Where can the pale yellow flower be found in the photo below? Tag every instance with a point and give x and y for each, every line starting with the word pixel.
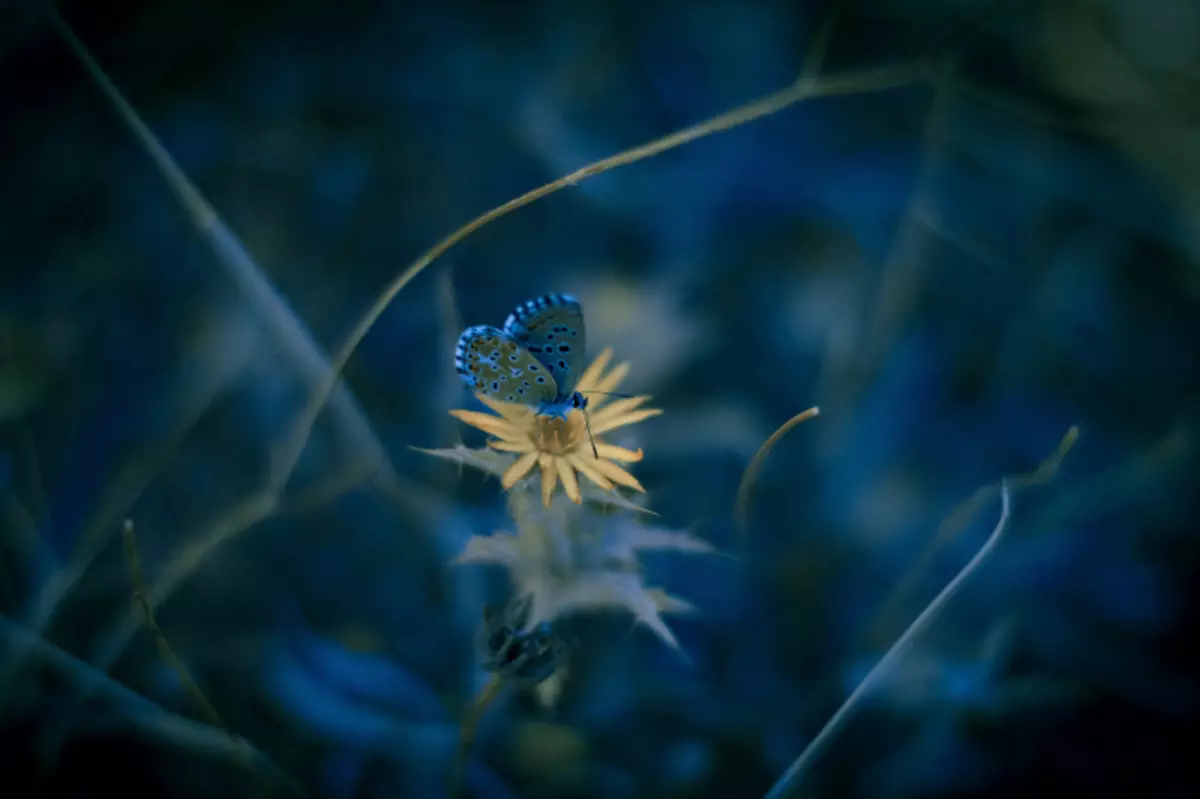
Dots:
pixel 561 446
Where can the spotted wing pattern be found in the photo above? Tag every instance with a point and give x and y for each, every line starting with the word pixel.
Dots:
pixel 551 328
pixel 493 364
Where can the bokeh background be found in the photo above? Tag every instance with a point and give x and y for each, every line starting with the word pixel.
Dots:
pixel 956 271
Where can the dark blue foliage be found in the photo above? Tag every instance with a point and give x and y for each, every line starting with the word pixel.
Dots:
pixel 956 273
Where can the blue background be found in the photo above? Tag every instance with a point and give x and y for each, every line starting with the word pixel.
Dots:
pixel 956 271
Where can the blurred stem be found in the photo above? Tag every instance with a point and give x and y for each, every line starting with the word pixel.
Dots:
pixel 791 778
pixel 158 723
pixel 290 333
pixel 121 493
pixel 805 88
pixel 470 725
pixel 227 524
pixel 814 60
pixel 750 476
pixel 954 524
pixel 160 639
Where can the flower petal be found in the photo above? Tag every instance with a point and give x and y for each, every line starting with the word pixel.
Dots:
pixel 518 470
pixel 615 453
pixel 611 380
pixel 618 475
pixel 488 423
pixel 567 474
pixel 549 476
pixel 591 376
pixel 582 464
pixel 511 446
pixel 618 407
pixel 622 420
pixel 511 411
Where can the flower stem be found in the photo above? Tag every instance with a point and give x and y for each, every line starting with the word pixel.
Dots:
pixel 160 638
pixel 790 780
pixel 751 474
pixel 466 737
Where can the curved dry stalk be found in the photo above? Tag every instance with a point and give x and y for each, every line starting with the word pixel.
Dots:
pixel 466 738
pixel 950 528
pixel 144 715
pixel 240 517
pixel 160 638
pixel 751 474
pixel 806 88
pixel 791 778
pixel 289 332
pixel 228 524
pixel 122 494
pixel 282 321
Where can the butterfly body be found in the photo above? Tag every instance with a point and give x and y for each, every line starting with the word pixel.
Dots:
pixel 536 359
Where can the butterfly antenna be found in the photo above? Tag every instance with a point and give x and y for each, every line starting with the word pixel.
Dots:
pixel 587 421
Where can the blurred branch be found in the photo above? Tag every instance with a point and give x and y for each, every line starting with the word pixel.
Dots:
pixel 19 517
pixel 1045 471
pixel 954 524
pixel 160 639
pixel 124 491
pixel 791 778
pixel 750 476
pixel 1128 480
pixel 452 325
pixel 158 723
pixel 234 520
pixel 37 483
pixel 896 290
pixel 328 490
pixel 966 30
pixel 814 60
pixel 25 539
pixel 228 524
pixel 470 725
pixel 858 82
pixel 281 320
pixel 290 332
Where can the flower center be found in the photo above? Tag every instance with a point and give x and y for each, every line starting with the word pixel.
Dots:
pixel 557 435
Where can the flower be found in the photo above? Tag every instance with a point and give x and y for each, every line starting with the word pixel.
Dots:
pixel 561 445
pixel 562 562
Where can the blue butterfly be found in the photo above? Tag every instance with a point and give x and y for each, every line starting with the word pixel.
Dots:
pixel 536 359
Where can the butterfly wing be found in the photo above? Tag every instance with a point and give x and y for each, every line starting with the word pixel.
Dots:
pixel 493 364
pixel 551 328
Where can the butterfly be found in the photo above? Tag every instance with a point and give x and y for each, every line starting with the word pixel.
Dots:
pixel 535 360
